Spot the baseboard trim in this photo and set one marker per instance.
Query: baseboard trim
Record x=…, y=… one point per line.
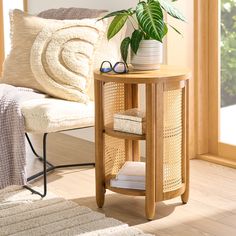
x=218, y=160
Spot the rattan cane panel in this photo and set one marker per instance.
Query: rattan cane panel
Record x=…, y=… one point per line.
x=114, y=155
x=114, y=148
x=114, y=100
x=172, y=156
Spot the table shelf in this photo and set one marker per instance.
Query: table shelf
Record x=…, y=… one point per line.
x=125, y=191
x=122, y=135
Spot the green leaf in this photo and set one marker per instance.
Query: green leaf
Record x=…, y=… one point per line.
x=116, y=25
x=165, y=30
x=175, y=29
x=150, y=18
x=124, y=48
x=136, y=38
x=120, y=12
x=171, y=10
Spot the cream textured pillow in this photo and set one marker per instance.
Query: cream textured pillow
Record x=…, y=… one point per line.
x=107, y=50
x=52, y=56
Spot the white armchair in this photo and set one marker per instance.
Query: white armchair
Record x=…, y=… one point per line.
x=47, y=115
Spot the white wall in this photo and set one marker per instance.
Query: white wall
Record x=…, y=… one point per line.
x=7, y=6
x=180, y=48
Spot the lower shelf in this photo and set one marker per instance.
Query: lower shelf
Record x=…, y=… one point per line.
x=132, y=192
x=136, y=192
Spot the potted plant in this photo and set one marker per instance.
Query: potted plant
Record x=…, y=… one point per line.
x=149, y=29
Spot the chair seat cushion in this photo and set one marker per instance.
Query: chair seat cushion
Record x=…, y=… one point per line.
x=46, y=115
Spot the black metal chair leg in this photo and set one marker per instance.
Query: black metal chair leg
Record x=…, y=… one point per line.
x=46, y=169
x=45, y=164
x=31, y=146
x=44, y=159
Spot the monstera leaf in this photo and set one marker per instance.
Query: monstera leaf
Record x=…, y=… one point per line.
x=120, y=18
x=124, y=48
x=136, y=38
x=171, y=10
x=150, y=18
x=120, y=12
x=116, y=25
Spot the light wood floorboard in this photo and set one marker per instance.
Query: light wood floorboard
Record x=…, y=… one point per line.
x=210, y=211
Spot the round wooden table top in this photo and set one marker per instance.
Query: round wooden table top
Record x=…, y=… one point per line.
x=166, y=73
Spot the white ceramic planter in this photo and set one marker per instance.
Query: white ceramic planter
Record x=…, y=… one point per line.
x=149, y=55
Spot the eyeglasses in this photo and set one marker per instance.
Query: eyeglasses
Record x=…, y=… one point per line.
x=118, y=68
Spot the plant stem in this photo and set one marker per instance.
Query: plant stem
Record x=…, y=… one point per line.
x=132, y=23
x=139, y=27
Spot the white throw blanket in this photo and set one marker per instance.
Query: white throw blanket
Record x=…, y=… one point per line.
x=12, y=135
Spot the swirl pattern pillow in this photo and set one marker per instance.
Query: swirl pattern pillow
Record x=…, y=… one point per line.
x=107, y=50
x=52, y=56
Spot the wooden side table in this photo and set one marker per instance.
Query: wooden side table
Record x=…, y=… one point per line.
x=167, y=163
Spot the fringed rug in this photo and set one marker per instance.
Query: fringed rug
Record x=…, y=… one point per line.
x=25, y=214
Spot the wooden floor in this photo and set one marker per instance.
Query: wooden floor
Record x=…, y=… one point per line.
x=210, y=211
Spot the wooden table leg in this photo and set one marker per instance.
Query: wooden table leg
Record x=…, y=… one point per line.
x=159, y=142
x=185, y=166
x=135, y=104
x=128, y=105
x=150, y=151
x=99, y=143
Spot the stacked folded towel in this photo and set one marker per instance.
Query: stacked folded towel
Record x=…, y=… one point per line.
x=131, y=175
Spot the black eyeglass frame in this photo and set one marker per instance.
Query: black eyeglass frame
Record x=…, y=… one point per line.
x=113, y=68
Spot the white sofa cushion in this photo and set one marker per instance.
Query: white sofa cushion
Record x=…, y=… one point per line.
x=48, y=115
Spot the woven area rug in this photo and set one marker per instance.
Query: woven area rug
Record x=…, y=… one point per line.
x=25, y=214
